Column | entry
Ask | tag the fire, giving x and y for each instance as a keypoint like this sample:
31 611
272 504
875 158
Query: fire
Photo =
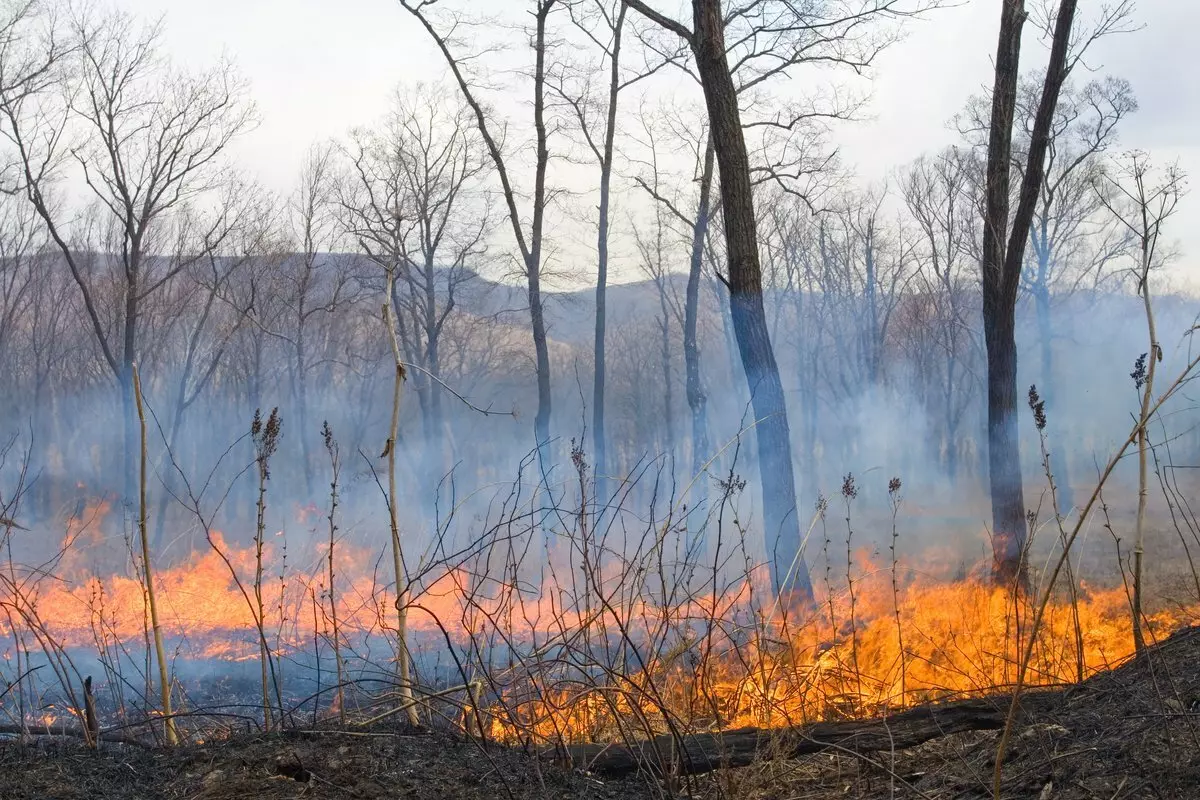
608 657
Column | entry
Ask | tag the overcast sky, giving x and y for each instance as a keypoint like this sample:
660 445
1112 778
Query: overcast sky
320 67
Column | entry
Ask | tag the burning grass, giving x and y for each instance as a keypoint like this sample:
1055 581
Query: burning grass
604 659
551 619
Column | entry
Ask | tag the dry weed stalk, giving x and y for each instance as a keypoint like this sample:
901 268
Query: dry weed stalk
164 680
1044 601
1147 208
266 440
335 466
403 657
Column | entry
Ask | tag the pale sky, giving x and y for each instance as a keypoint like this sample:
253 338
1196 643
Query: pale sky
319 67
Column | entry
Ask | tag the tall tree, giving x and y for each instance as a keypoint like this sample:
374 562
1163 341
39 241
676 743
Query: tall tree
1071 245
735 51
602 23
1004 240
529 239
153 139
416 204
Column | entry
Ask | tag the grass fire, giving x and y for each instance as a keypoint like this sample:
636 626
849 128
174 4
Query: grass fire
616 399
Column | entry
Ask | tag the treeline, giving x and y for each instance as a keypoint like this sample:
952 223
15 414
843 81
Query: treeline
129 235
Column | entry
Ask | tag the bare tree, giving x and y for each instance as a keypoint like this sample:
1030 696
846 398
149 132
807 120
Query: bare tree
148 141
316 284
1005 237
940 193
1071 244
769 39
236 236
529 239
602 23
418 203
1142 203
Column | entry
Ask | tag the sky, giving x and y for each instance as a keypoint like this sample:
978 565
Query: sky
320 67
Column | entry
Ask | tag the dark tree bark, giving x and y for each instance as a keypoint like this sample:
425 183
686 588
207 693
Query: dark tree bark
781 525
1002 270
773 435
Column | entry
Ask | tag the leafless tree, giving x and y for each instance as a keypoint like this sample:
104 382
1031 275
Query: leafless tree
1072 245
316 284
941 195
602 24
1005 237
447 31
769 40
202 324
149 141
418 203
1142 202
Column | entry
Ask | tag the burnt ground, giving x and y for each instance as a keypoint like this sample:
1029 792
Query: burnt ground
1128 734
330 765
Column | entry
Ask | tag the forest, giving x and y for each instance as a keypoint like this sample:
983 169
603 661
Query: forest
586 395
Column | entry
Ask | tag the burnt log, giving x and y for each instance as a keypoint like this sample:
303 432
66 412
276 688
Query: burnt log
698 753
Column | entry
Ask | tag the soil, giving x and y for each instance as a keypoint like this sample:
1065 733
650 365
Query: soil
328 765
1127 734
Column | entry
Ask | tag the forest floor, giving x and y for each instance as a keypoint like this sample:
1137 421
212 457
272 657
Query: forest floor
1126 734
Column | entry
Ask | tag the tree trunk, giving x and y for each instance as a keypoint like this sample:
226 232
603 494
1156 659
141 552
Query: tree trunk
789 574
1002 269
600 444
696 398
533 262
999 306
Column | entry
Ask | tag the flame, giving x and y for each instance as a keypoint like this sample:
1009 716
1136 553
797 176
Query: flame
617 661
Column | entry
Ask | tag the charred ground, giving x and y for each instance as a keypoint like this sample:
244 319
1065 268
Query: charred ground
1128 733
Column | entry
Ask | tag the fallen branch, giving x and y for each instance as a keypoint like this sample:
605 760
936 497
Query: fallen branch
705 752
71 732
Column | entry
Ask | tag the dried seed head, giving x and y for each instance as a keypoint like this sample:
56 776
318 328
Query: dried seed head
849 490
581 465
266 439
1038 405
893 486
1139 371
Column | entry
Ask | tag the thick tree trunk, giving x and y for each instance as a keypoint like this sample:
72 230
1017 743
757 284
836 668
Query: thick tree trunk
1002 269
999 306
1004 454
789 574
